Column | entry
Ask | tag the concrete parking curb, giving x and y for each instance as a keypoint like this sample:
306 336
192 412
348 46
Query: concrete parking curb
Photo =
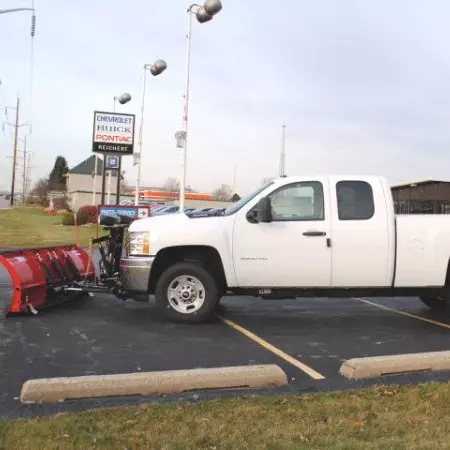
151 383
377 366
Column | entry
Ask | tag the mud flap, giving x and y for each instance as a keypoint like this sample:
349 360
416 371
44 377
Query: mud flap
40 276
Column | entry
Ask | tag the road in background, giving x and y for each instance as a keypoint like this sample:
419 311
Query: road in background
3 203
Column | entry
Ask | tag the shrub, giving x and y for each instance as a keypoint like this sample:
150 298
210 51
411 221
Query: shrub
82 218
68 219
90 212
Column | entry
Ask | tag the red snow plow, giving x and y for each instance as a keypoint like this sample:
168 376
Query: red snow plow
43 276
46 276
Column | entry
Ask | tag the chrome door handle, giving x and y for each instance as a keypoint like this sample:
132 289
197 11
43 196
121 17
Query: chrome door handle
314 233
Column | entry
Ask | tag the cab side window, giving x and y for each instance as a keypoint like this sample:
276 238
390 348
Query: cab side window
355 200
298 202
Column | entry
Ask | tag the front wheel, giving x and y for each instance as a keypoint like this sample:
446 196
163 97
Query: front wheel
436 303
188 293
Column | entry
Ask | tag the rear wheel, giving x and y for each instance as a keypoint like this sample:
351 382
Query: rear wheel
437 303
188 293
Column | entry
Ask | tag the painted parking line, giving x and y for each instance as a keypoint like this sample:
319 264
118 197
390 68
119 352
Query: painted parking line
295 362
404 313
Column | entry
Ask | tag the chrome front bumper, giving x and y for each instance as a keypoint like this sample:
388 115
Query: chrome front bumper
136 274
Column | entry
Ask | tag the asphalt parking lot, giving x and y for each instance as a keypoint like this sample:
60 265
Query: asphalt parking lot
308 338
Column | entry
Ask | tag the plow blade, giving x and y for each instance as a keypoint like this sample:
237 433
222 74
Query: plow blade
45 276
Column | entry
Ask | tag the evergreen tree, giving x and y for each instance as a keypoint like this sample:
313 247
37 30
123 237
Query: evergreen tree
60 169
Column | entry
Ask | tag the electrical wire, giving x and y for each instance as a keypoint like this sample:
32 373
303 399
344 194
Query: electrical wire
5 108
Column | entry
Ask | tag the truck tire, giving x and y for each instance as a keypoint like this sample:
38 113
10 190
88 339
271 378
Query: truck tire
187 293
436 303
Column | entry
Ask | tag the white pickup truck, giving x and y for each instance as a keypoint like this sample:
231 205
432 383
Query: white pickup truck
319 236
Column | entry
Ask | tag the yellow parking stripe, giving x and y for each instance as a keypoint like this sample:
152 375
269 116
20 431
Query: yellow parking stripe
403 313
303 367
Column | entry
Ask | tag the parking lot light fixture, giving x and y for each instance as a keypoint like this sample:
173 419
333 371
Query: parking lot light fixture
12 10
157 68
203 13
213 7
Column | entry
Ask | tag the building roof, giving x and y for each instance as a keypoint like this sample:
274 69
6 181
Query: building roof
418 183
87 167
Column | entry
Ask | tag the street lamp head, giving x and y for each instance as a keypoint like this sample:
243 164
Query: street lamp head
202 16
212 7
158 67
124 98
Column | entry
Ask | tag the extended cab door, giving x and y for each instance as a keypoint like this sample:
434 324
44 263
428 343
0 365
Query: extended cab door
362 233
292 250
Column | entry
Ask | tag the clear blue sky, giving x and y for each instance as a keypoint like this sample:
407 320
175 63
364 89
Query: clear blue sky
361 86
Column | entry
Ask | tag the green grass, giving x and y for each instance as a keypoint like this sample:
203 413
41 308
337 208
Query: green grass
399 417
31 226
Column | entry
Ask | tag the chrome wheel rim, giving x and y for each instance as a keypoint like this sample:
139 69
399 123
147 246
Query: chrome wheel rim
186 294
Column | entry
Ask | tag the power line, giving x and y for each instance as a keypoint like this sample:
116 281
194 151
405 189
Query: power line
5 107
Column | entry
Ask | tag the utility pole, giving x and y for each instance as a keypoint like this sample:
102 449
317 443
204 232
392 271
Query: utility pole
16 131
94 187
24 181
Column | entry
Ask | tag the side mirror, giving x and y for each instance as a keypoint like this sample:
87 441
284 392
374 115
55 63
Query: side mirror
262 212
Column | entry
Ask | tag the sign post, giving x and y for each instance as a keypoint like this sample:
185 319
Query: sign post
112 165
113 135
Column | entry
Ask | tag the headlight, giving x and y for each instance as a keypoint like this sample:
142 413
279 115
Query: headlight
139 243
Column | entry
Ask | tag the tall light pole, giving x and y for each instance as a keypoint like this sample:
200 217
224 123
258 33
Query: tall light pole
203 13
32 32
122 99
283 152
157 68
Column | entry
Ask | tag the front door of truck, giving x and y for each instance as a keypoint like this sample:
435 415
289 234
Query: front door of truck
292 250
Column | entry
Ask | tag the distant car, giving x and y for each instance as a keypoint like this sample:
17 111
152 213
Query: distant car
158 209
168 209
171 209
206 212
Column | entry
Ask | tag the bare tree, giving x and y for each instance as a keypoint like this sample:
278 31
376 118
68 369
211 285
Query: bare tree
222 193
41 188
172 185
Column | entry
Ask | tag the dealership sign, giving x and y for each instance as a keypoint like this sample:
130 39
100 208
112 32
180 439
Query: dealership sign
113 133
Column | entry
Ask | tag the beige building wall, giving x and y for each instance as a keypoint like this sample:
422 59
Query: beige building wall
77 182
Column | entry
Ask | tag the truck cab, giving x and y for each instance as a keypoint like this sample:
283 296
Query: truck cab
322 235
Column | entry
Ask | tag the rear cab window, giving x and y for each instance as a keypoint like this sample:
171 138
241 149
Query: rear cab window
355 200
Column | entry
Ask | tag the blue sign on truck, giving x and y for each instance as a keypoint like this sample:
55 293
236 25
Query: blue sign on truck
136 212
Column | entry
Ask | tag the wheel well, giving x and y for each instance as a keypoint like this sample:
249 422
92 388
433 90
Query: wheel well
207 256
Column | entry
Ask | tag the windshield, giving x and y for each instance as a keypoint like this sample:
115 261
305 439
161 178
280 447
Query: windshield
244 200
